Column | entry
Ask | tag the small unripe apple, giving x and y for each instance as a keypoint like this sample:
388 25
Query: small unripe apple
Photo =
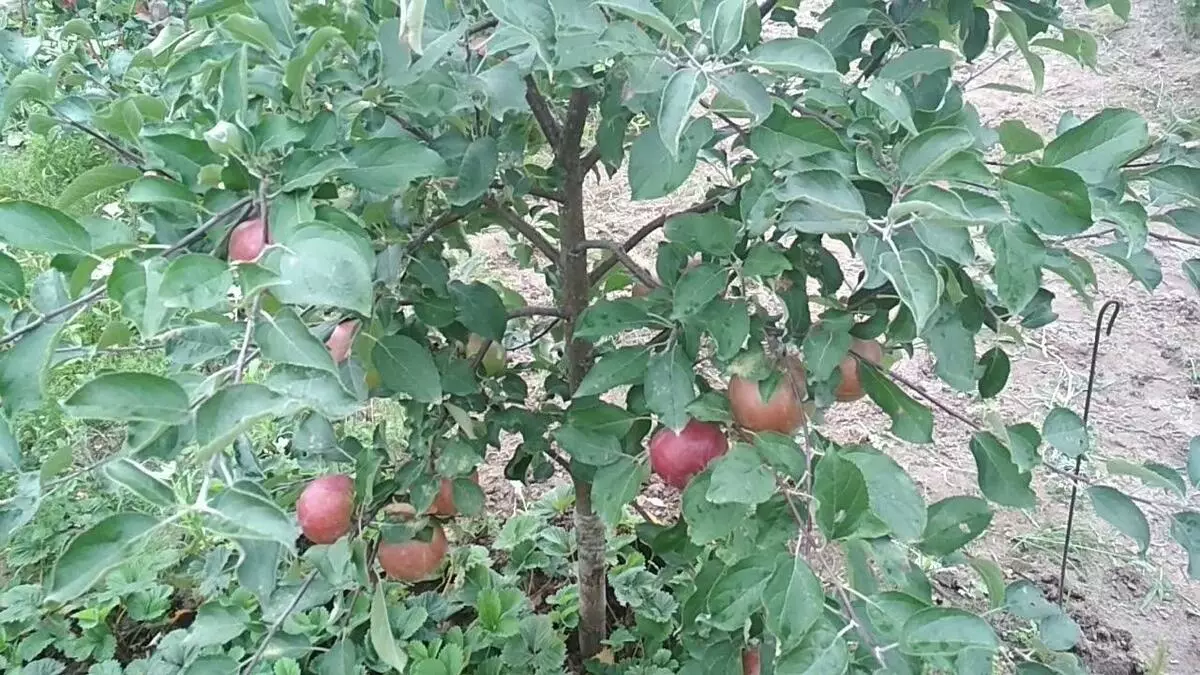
850 388
639 290
443 504
414 560
677 456
326 508
341 340
493 361
783 413
248 239
224 138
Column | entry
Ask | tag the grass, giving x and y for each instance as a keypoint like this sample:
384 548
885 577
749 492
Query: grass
40 169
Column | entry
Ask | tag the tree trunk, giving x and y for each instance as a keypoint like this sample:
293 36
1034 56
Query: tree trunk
589 530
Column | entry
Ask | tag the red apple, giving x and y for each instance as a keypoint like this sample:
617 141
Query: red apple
414 560
751 661
248 239
444 505
677 456
850 388
326 508
340 341
783 413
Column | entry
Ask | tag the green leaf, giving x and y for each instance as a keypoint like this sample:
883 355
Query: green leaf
297 67
325 266
765 260
1019 256
41 229
994 368
1017 138
822 652
784 138
723 21
698 287
670 386
709 233
888 96
1186 220
1142 265
1191 269
407 367
1064 430
308 168
729 325
893 496
993 579
216 624
10 449
826 345
616 484
1000 479
916 280
929 150
1025 600
944 631
12 278
822 202
674 111
739 477
130 397
252 32
24 367
94 552
480 308
643 11
1099 146
798 55
135 478
1185 529
911 421
626 365
382 638
196 282
841 494
1059 632
921 61
953 523
1051 200
283 338
475 173
159 192
1152 474
1193 461
954 348
706 521
387 166
1119 511
29 85
653 171
232 411
610 317
248 512
136 288
588 447
96 179
793 601
743 88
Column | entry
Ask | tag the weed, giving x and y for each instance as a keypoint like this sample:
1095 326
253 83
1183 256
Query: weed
39 170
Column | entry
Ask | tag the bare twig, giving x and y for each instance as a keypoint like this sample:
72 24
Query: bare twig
526 229
1112 230
988 67
445 220
542 113
195 235
127 155
646 230
262 647
521 312
482 26
643 275
410 127
239 366
737 128
548 195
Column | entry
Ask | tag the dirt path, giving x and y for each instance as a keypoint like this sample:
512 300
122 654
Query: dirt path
1147 400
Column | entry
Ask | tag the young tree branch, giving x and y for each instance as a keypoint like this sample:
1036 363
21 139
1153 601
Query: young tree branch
444 220
523 312
542 113
643 275
526 230
410 127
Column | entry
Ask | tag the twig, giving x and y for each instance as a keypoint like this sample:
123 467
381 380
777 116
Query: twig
548 195
877 62
78 303
445 220
526 229
128 155
541 113
410 127
262 647
988 67
239 366
638 271
538 335
737 128
196 234
646 230
1112 230
485 25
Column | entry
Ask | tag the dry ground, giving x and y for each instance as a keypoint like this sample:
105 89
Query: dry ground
1147 399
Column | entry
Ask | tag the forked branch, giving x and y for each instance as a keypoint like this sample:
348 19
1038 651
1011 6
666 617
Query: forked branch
526 229
643 275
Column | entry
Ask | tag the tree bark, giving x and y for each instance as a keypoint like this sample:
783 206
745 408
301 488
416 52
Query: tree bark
589 530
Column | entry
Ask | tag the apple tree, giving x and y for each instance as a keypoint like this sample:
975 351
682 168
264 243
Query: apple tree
302 185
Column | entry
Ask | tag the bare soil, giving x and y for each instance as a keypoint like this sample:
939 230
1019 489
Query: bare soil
1133 611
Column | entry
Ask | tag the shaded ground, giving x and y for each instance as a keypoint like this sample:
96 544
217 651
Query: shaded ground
1145 406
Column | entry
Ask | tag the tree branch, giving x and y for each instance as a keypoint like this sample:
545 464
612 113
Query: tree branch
526 229
444 220
542 113
577 111
548 195
262 647
128 155
643 275
409 127
1112 230
646 230
523 312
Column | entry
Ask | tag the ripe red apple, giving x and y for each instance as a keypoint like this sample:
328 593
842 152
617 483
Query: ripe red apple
677 456
414 560
850 388
248 239
493 361
326 508
342 338
751 661
444 505
783 413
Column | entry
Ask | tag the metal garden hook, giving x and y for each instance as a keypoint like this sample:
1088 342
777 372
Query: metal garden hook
1087 409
